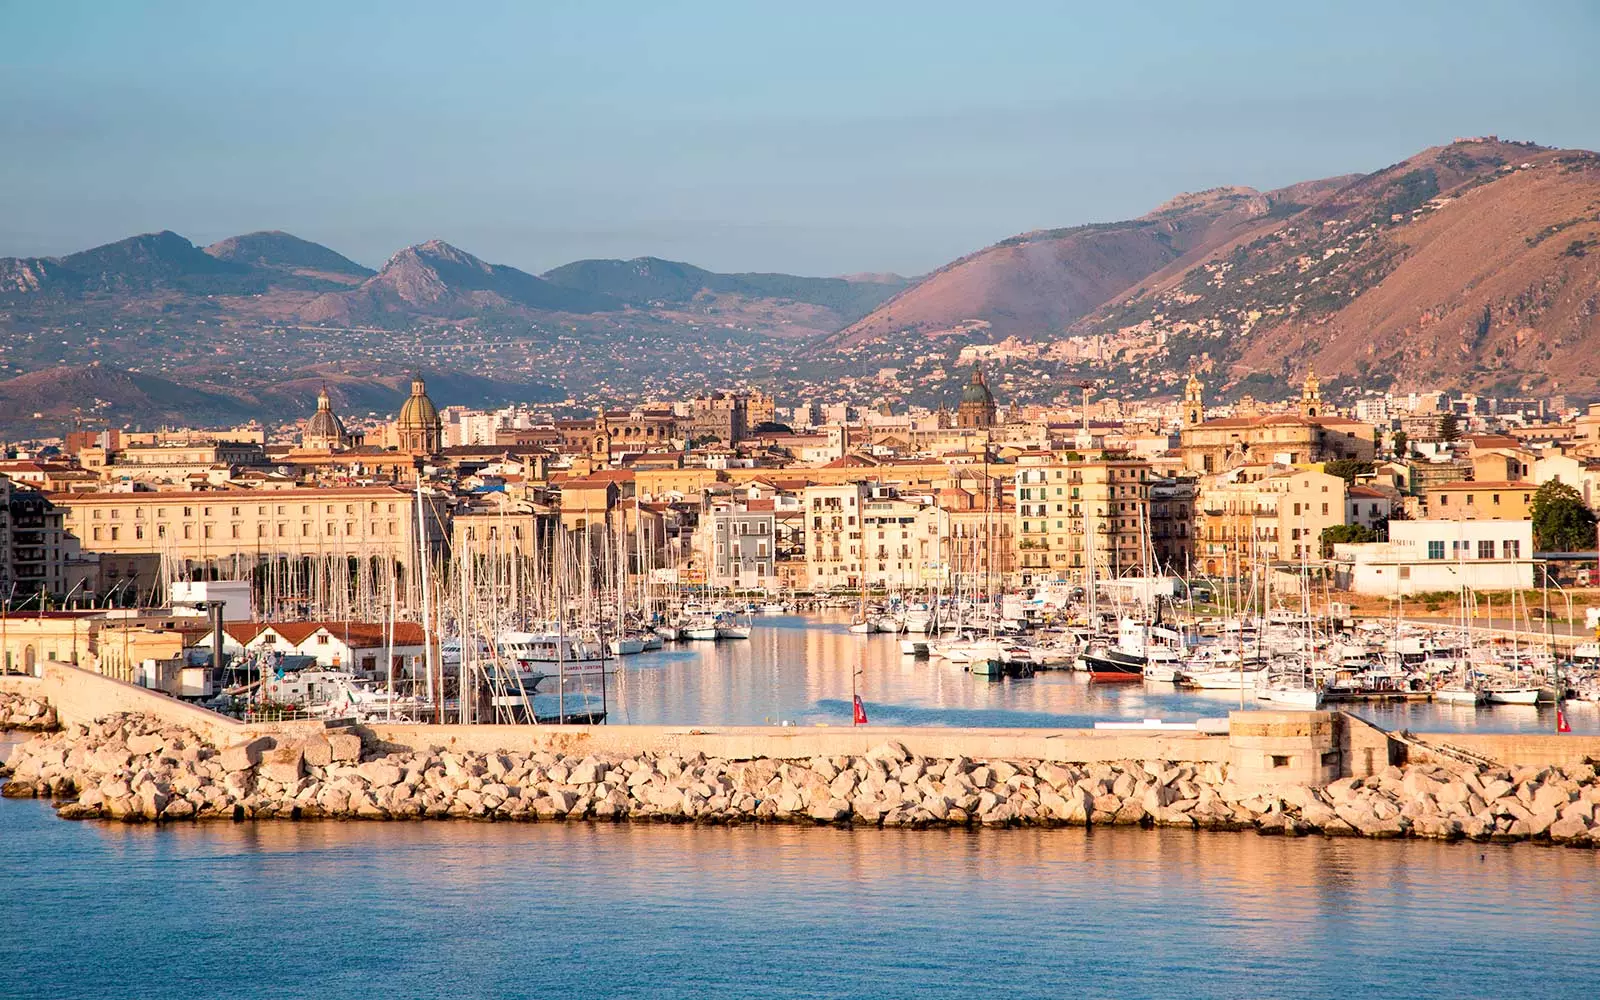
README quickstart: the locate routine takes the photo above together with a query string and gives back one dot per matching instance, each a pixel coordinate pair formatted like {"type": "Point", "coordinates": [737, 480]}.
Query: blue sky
{"type": "Point", "coordinates": [818, 138]}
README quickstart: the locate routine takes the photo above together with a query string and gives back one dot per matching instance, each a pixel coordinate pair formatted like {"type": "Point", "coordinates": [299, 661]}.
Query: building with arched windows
{"type": "Point", "coordinates": [418, 428]}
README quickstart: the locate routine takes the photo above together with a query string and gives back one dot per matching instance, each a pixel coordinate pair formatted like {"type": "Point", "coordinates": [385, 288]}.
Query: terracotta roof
{"type": "Point", "coordinates": [1366, 492]}
{"type": "Point", "coordinates": [361, 635]}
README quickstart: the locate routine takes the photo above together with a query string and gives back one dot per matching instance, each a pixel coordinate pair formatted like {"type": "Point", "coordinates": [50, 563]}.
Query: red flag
{"type": "Point", "coordinates": [1561, 722]}
{"type": "Point", "coordinates": [861, 712]}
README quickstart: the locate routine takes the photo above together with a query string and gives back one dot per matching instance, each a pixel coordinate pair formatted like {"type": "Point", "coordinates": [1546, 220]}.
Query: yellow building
{"type": "Point", "coordinates": [1071, 515]}
{"type": "Point", "coordinates": [1308, 437]}
{"type": "Point", "coordinates": [1494, 500]}
{"type": "Point", "coordinates": [1265, 514]}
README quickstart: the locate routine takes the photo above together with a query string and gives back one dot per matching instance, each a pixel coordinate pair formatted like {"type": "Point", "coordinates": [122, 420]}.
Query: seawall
{"type": "Point", "coordinates": [131, 754]}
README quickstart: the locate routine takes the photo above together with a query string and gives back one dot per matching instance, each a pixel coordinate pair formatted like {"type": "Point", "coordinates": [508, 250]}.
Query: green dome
{"type": "Point", "coordinates": [977, 391]}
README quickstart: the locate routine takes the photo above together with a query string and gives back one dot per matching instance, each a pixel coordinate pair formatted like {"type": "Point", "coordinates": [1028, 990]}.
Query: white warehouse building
{"type": "Point", "coordinates": [1434, 555]}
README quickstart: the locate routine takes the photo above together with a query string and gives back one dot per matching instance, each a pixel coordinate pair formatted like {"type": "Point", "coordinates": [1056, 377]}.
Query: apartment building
{"type": "Point", "coordinates": [833, 542]}
{"type": "Point", "coordinates": [1072, 515]}
{"type": "Point", "coordinates": [1265, 514]}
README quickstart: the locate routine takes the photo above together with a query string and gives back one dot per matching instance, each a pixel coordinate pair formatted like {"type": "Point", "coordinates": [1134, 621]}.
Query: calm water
{"type": "Point", "coordinates": [798, 669]}
{"type": "Point", "coordinates": [326, 910]}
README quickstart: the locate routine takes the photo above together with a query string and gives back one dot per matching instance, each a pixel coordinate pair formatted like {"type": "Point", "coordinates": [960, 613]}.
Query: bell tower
{"type": "Point", "coordinates": [1311, 396]}
{"type": "Point", "coordinates": [1194, 401]}
{"type": "Point", "coordinates": [600, 453]}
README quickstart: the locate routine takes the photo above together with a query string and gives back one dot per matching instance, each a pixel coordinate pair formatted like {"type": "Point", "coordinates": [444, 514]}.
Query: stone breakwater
{"type": "Point", "coordinates": [20, 711]}
{"type": "Point", "coordinates": [133, 768]}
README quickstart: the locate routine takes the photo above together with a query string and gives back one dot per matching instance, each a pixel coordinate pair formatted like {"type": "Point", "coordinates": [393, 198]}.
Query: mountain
{"type": "Point", "coordinates": [646, 281]}
{"type": "Point", "coordinates": [1035, 284]}
{"type": "Point", "coordinates": [287, 254]}
{"type": "Point", "coordinates": [161, 262]}
{"type": "Point", "coordinates": [1475, 264]}
{"type": "Point", "coordinates": [437, 280]}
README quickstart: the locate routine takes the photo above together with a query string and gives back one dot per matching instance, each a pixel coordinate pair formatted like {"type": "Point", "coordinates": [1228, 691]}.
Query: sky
{"type": "Point", "coordinates": [816, 138]}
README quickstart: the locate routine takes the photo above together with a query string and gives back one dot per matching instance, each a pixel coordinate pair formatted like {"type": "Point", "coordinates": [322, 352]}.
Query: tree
{"type": "Point", "coordinates": [1562, 522]}
{"type": "Point", "coordinates": [1344, 534]}
{"type": "Point", "coordinates": [1450, 426]}
{"type": "Point", "coordinates": [1348, 469]}
{"type": "Point", "coordinates": [1401, 444]}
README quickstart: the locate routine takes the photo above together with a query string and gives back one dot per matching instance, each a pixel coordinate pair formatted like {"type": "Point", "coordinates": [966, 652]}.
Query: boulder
{"type": "Point", "coordinates": [242, 756]}
{"type": "Point", "coordinates": [379, 773]}
{"type": "Point", "coordinates": [145, 744]}
{"type": "Point", "coordinates": [318, 751]}
{"type": "Point", "coordinates": [283, 764]}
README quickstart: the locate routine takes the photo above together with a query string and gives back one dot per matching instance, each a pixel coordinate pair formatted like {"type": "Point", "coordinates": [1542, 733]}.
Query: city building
{"type": "Point", "coordinates": [1268, 514]}
{"type": "Point", "coordinates": [1430, 556]}
{"type": "Point", "coordinates": [145, 539]}
{"type": "Point", "coordinates": [1308, 437]}
{"type": "Point", "coordinates": [1072, 515]}
{"type": "Point", "coordinates": [833, 543]}
{"type": "Point", "coordinates": [324, 431]}
{"type": "Point", "coordinates": [1498, 501]}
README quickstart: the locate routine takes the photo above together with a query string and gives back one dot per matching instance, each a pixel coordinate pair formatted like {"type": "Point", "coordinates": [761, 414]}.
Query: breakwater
{"type": "Point", "coordinates": [138, 768]}
{"type": "Point", "coordinates": [25, 711]}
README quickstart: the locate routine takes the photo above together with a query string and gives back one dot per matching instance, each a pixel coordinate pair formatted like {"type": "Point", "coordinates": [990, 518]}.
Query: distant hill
{"type": "Point", "coordinates": [103, 391]}
{"type": "Point", "coordinates": [646, 281]}
{"type": "Point", "coordinates": [435, 279]}
{"type": "Point", "coordinates": [1473, 264]}
{"type": "Point", "coordinates": [287, 254]}
{"type": "Point", "coordinates": [1036, 284]}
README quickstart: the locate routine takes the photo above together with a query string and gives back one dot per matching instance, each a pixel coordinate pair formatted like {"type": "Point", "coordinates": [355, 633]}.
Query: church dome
{"type": "Point", "coordinates": [324, 423]}
{"type": "Point", "coordinates": [977, 391]}
{"type": "Point", "coordinates": [324, 430]}
{"type": "Point", "coordinates": [418, 410]}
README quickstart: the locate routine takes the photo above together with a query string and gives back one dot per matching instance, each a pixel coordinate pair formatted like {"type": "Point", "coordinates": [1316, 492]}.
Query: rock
{"type": "Point", "coordinates": [831, 811]}
{"type": "Point", "coordinates": [344, 746]}
{"type": "Point", "coordinates": [146, 744]}
{"type": "Point", "coordinates": [379, 773]}
{"type": "Point", "coordinates": [588, 772]}
{"type": "Point", "coordinates": [894, 751]}
{"type": "Point", "coordinates": [242, 756]}
{"type": "Point", "coordinates": [317, 750]}
{"type": "Point", "coordinates": [1569, 830]}
{"type": "Point", "coordinates": [284, 764]}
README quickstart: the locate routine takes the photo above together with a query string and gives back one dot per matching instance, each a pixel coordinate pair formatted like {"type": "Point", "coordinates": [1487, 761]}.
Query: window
{"type": "Point", "coordinates": [1495, 499]}
{"type": "Point", "coordinates": [1324, 510]}
{"type": "Point", "coordinates": [1436, 550]}
{"type": "Point", "coordinates": [1511, 548]}
{"type": "Point", "coordinates": [1444, 499]}
{"type": "Point", "coordinates": [1486, 550]}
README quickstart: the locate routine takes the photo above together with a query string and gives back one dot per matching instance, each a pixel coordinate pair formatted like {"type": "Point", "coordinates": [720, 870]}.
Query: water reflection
{"type": "Point", "coordinates": [359, 910]}
{"type": "Point", "coordinates": [799, 669]}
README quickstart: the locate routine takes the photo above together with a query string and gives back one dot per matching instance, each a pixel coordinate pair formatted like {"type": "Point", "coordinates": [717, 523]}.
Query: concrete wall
{"type": "Point", "coordinates": [1516, 749]}
{"type": "Point", "coordinates": [795, 743]}
{"type": "Point", "coordinates": [82, 696]}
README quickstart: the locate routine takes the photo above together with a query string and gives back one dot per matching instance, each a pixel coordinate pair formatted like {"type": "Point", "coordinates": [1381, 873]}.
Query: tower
{"type": "Point", "coordinates": [600, 453]}
{"type": "Point", "coordinates": [1311, 396]}
{"type": "Point", "coordinates": [1194, 401]}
